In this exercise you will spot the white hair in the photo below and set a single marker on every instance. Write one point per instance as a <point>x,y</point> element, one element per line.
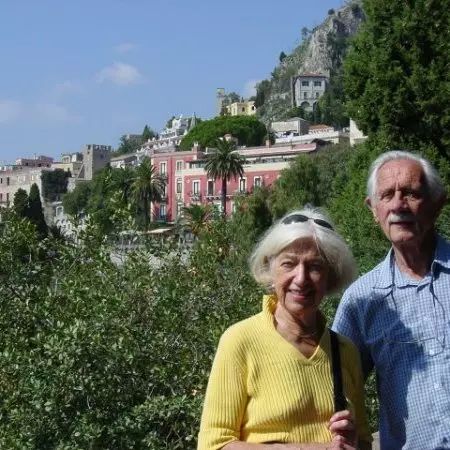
<point>435,188</point>
<point>339,258</point>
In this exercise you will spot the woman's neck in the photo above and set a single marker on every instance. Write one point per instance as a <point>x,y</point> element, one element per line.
<point>296,330</point>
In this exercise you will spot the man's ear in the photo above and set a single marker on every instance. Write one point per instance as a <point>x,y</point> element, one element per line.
<point>368,203</point>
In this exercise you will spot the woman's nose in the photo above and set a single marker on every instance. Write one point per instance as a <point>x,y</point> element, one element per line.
<point>300,274</point>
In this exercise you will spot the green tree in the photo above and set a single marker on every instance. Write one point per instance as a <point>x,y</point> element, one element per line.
<point>148,187</point>
<point>395,74</point>
<point>75,202</point>
<point>296,187</point>
<point>54,184</point>
<point>297,111</point>
<point>169,122</point>
<point>126,146</point>
<point>224,163</point>
<point>233,97</point>
<point>247,129</point>
<point>197,218</point>
<point>282,57</point>
<point>263,89</point>
<point>35,211</point>
<point>148,133</point>
<point>253,216</point>
<point>21,203</point>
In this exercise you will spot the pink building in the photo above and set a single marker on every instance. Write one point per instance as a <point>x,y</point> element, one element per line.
<point>187,182</point>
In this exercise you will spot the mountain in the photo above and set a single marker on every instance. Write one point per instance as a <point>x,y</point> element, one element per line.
<point>322,50</point>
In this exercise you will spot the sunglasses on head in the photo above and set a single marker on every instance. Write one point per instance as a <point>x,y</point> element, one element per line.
<point>298,218</point>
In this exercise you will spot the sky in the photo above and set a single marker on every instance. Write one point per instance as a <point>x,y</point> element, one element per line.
<point>76,72</point>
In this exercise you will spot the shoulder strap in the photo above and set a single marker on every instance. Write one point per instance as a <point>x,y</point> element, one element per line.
<point>340,401</point>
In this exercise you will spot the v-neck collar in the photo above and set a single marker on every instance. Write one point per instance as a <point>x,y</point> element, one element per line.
<point>320,353</point>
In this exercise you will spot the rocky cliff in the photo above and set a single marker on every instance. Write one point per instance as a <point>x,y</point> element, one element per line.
<point>322,50</point>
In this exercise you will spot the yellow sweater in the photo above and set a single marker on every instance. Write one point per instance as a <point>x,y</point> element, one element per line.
<point>262,389</point>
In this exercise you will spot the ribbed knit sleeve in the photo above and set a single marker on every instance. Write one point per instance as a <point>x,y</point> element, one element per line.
<point>226,396</point>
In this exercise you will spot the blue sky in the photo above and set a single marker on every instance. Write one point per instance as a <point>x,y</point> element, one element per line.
<point>76,71</point>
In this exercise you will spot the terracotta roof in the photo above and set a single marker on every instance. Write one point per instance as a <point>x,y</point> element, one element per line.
<point>313,74</point>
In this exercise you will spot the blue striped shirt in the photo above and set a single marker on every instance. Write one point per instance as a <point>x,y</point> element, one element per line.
<point>402,328</point>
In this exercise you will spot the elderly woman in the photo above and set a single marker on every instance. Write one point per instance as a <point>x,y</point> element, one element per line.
<point>273,385</point>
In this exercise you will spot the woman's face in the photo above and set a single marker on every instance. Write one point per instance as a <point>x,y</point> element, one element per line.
<point>300,277</point>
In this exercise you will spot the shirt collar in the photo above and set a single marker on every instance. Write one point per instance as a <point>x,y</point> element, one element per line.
<point>441,257</point>
<point>442,253</point>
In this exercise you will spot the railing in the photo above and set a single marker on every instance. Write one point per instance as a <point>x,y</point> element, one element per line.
<point>195,196</point>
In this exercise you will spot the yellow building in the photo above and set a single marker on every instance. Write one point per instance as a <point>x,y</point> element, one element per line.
<point>241,109</point>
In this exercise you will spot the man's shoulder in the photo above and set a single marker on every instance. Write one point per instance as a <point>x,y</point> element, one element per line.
<point>366,282</point>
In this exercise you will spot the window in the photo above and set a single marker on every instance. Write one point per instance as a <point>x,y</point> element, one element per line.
<point>163,168</point>
<point>317,94</point>
<point>210,187</point>
<point>179,165</point>
<point>257,182</point>
<point>242,185</point>
<point>179,186</point>
<point>196,187</point>
<point>7,197</point>
<point>162,212</point>
<point>1,197</point>
<point>305,95</point>
<point>305,83</point>
<point>7,181</point>
<point>317,83</point>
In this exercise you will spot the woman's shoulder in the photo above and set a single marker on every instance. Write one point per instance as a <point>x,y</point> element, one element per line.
<point>244,331</point>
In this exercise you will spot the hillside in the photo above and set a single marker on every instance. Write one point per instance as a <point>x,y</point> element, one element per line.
<point>322,50</point>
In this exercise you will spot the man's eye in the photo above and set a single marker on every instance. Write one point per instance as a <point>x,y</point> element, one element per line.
<point>287,264</point>
<point>413,194</point>
<point>386,195</point>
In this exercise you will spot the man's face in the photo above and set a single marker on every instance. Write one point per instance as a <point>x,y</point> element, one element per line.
<point>402,205</point>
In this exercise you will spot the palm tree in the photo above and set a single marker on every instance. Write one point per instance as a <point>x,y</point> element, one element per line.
<point>196,218</point>
<point>225,163</point>
<point>122,180</point>
<point>148,186</point>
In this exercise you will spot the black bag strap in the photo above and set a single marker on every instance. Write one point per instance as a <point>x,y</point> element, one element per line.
<point>340,401</point>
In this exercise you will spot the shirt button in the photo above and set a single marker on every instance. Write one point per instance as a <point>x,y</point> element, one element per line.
<point>436,386</point>
<point>431,352</point>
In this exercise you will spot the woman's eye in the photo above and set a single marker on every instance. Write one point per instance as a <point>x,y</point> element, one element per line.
<point>316,268</point>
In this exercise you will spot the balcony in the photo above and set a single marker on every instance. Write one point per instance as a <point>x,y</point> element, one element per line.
<point>163,175</point>
<point>240,192</point>
<point>212,195</point>
<point>195,196</point>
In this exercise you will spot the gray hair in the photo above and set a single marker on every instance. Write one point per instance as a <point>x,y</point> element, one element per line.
<point>331,245</point>
<point>435,188</point>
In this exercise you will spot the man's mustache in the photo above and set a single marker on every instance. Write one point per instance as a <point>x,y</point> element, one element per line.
<point>401,217</point>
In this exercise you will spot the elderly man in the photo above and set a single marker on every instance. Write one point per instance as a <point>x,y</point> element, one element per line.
<point>398,314</point>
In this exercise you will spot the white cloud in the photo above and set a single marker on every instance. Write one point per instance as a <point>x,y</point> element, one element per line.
<point>250,88</point>
<point>51,113</point>
<point>68,87</point>
<point>124,47</point>
<point>120,73</point>
<point>9,110</point>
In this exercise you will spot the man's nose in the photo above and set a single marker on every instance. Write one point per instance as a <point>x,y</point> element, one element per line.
<point>398,201</point>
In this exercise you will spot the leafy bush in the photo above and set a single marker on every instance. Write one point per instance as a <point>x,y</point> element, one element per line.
<point>96,355</point>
